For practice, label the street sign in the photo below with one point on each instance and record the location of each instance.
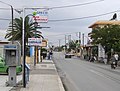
(41, 16)
(34, 41)
(44, 43)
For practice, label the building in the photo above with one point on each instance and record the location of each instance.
(102, 23)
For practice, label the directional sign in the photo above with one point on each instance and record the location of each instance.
(34, 41)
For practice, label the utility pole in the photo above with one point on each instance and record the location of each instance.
(69, 38)
(59, 42)
(65, 40)
(79, 38)
(23, 49)
(83, 38)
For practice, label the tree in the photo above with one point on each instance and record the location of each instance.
(72, 44)
(108, 36)
(16, 33)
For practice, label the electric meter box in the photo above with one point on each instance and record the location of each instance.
(12, 57)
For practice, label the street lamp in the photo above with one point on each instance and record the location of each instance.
(24, 46)
(23, 43)
(11, 13)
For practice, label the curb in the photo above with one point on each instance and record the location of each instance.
(59, 80)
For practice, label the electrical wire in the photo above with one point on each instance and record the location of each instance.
(60, 34)
(4, 8)
(69, 19)
(92, 16)
(5, 19)
(76, 4)
(60, 7)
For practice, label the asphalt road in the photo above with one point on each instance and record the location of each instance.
(80, 75)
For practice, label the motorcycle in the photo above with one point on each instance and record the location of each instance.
(93, 58)
(113, 65)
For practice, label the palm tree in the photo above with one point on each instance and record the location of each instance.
(16, 33)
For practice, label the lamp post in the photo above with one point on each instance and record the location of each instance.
(11, 13)
(23, 47)
(23, 43)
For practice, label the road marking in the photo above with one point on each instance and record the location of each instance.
(97, 73)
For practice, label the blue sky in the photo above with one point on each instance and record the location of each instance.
(58, 30)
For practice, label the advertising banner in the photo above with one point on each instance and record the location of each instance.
(41, 16)
(34, 41)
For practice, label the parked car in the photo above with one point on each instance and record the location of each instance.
(4, 68)
(67, 56)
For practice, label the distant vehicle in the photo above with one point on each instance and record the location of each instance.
(68, 55)
(4, 68)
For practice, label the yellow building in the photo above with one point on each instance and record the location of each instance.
(102, 23)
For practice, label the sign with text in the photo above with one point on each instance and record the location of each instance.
(44, 43)
(34, 41)
(41, 16)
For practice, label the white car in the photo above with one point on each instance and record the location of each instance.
(68, 55)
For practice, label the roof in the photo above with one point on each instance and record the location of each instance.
(105, 22)
(4, 42)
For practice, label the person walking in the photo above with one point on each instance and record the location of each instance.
(116, 58)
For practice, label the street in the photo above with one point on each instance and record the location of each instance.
(80, 75)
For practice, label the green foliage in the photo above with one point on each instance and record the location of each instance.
(73, 44)
(58, 49)
(94, 50)
(108, 36)
(43, 50)
(16, 33)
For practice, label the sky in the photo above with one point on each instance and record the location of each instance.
(57, 11)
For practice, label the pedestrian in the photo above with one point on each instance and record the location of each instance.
(116, 58)
(51, 54)
(48, 55)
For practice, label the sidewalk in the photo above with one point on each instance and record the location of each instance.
(44, 77)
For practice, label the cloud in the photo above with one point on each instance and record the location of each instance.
(63, 13)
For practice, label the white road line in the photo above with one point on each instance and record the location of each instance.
(97, 73)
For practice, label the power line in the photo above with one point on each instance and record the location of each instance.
(92, 16)
(67, 6)
(61, 34)
(57, 41)
(5, 19)
(69, 19)
(76, 4)
(4, 8)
